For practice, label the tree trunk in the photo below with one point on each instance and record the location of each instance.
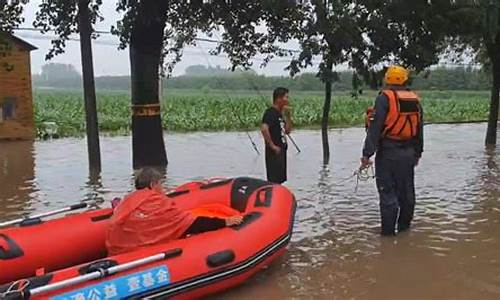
(326, 114)
(146, 44)
(92, 128)
(491, 133)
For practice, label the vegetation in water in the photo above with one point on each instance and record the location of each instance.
(212, 110)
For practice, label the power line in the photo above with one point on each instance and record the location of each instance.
(185, 52)
(207, 40)
(192, 53)
(49, 37)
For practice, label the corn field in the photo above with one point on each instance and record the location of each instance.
(219, 110)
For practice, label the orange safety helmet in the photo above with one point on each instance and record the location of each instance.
(396, 75)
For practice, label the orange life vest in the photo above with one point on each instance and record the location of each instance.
(403, 117)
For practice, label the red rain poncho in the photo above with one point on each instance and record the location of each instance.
(144, 218)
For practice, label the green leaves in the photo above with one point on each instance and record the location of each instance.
(192, 111)
(10, 18)
(11, 14)
(61, 17)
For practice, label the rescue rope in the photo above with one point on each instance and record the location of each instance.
(231, 103)
(256, 89)
(361, 175)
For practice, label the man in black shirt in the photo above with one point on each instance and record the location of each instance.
(274, 129)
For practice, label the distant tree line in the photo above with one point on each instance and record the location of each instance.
(205, 79)
(203, 71)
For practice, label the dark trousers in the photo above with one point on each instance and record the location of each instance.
(396, 187)
(276, 166)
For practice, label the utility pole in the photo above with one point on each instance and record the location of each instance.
(85, 28)
(492, 41)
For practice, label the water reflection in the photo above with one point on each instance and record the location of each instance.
(336, 253)
(94, 190)
(17, 179)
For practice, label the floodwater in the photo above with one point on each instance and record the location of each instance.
(452, 252)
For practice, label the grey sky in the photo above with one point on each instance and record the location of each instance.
(108, 60)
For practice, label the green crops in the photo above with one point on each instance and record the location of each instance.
(217, 110)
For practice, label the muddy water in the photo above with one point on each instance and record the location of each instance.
(452, 252)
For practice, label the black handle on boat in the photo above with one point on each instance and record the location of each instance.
(45, 214)
(78, 206)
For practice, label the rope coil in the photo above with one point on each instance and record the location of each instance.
(363, 175)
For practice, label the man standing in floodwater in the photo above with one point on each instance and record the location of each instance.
(276, 124)
(395, 133)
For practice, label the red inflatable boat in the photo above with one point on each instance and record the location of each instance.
(66, 258)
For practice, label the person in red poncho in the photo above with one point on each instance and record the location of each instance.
(147, 217)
